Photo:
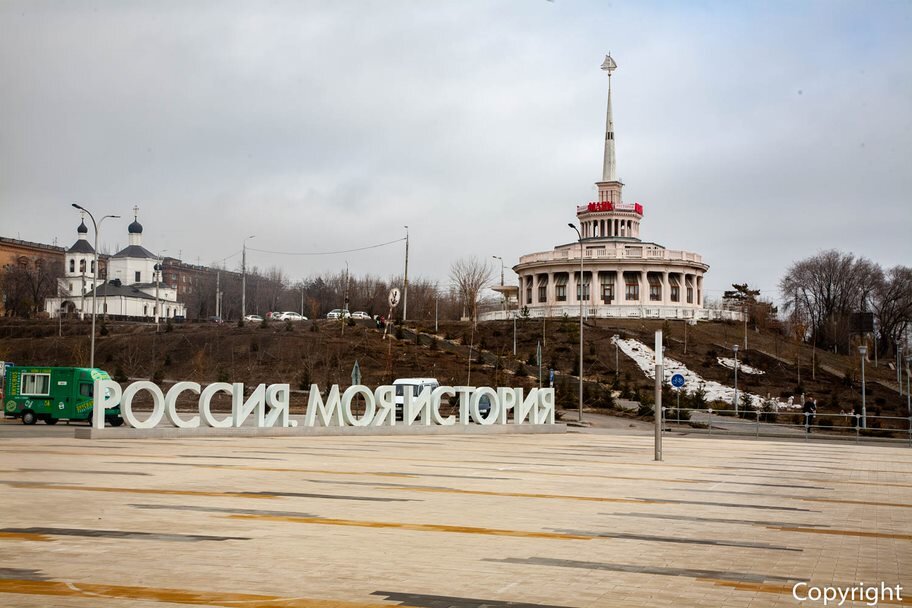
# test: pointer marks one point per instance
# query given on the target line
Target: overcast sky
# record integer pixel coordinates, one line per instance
(753, 133)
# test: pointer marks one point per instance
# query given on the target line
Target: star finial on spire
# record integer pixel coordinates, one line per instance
(609, 65)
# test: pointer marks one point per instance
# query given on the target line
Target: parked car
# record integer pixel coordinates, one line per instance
(288, 316)
(360, 315)
(417, 385)
(253, 319)
(338, 313)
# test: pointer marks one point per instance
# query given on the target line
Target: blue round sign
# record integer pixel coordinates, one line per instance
(677, 381)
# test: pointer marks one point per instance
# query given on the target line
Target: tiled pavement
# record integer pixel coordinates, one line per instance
(439, 522)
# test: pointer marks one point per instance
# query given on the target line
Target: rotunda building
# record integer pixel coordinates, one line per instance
(622, 274)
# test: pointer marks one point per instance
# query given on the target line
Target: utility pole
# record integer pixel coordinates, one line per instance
(405, 290)
(244, 277)
(218, 294)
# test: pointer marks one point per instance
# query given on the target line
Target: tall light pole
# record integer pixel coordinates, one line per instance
(244, 277)
(405, 290)
(581, 294)
(94, 277)
(503, 297)
(863, 351)
(908, 393)
(735, 348)
(158, 269)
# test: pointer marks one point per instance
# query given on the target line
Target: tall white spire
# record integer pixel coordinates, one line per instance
(609, 169)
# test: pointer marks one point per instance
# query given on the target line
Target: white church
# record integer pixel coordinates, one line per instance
(133, 289)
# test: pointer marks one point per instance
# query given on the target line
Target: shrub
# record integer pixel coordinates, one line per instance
(521, 370)
(240, 322)
(313, 326)
(847, 378)
(169, 325)
(289, 326)
(119, 375)
(304, 380)
(698, 399)
(159, 376)
(103, 329)
(221, 375)
(167, 360)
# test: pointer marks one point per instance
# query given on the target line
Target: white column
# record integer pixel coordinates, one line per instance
(644, 288)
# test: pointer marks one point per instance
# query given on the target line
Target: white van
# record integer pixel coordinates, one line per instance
(417, 384)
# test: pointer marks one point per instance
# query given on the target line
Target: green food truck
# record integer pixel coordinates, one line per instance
(53, 393)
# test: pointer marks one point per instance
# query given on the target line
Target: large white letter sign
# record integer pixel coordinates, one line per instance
(508, 399)
(240, 409)
(421, 404)
(523, 408)
(107, 394)
(158, 405)
(270, 406)
(206, 408)
(475, 410)
(325, 412)
(171, 405)
(464, 392)
(369, 405)
(278, 398)
(544, 407)
(436, 396)
(385, 397)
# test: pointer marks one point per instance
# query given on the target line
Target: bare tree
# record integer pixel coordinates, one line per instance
(26, 284)
(471, 275)
(825, 289)
(892, 304)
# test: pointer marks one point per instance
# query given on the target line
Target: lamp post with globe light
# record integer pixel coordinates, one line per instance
(96, 225)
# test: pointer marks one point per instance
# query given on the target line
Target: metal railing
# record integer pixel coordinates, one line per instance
(788, 424)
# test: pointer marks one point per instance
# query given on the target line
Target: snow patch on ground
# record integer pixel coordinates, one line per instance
(645, 359)
(747, 369)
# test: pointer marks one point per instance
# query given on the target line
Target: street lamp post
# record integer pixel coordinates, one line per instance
(503, 296)
(581, 294)
(735, 347)
(158, 270)
(244, 277)
(863, 351)
(616, 357)
(908, 393)
(94, 277)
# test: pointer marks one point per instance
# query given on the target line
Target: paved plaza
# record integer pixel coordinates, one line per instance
(580, 519)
